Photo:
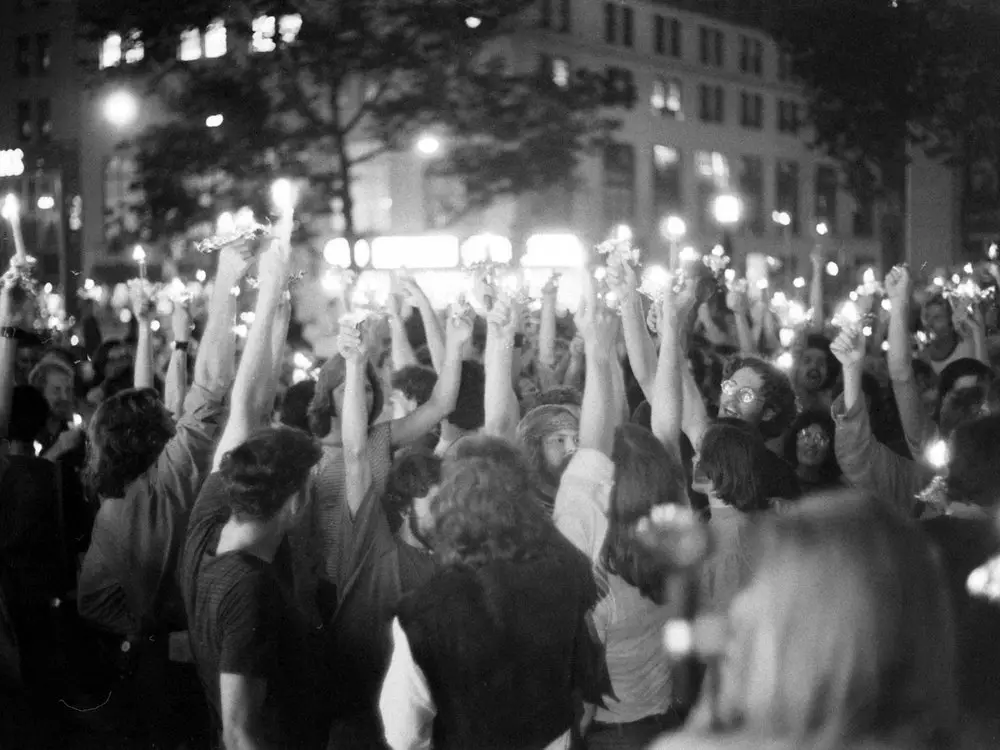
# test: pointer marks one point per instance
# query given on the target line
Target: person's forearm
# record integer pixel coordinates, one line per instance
(745, 335)
(433, 331)
(143, 375)
(275, 362)
(247, 397)
(979, 347)
(402, 352)
(694, 416)
(216, 362)
(816, 298)
(667, 401)
(501, 413)
(175, 387)
(639, 344)
(8, 360)
(597, 413)
(574, 372)
(547, 332)
(900, 357)
(354, 420)
(852, 386)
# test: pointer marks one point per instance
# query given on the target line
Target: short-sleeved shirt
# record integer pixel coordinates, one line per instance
(243, 621)
(129, 579)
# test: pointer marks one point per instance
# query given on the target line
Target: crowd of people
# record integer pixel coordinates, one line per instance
(435, 541)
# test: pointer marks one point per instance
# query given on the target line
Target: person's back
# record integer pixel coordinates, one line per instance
(498, 644)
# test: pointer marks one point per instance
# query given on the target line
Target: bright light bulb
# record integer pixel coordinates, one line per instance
(139, 254)
(727, 209)
(886, 305)
(213, 121)
(200, 276)
(785, 361)
(673, 227)
(822, 229)
(938, 281)
(799, 282)
(622, 233)
(154, 326)
(885, 346)
(11, 207)
(869, 276)
(832, 269)
(121, 108)
(968, 268)
(283, 195)
(428, 145)
(937, 454)
(473, 22)
(866, 331)
(46, 202)
(689, 255)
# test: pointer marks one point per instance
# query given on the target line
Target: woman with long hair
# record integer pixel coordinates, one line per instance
(843, 639)
(809, 447)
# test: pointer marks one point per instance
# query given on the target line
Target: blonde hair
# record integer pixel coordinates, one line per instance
(845, 633)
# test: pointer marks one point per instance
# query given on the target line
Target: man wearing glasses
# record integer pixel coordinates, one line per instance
(758, 393)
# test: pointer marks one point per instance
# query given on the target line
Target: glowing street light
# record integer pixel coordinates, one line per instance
(428, 145)
(46, 202)
(832, 269)
(214, 121)
(622, 233)
(689, 255)
(121, 108)
(799, 282)
(473, 22)
(727, 209)
(673, 228)
(822, 229)
(781, 218)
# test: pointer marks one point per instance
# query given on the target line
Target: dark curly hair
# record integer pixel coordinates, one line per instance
(830, 470)
(646, 475)
(264, 471)
(295, 404)
(777, 393)
(331, 377)
(485, 511)
(736, 460)
(974, 472)
(416, 382)
(126, 434)
(470, 408)
(414, 473)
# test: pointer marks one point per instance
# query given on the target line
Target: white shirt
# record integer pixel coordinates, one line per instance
(406, 704)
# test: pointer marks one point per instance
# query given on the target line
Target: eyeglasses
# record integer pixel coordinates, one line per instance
(745, 395)
(815, 438)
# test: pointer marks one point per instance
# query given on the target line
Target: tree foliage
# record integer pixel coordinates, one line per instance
(361, 78)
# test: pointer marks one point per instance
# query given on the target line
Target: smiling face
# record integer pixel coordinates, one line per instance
(741, 397)
(813, 370)
(812, 446)
(557, 450)
(937, 319)
(58, 393)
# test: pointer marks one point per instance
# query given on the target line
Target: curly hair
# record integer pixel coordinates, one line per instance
(538, 424)
(485, 513)
(777, 393)
(830, 470)
(264, 471)
(414, 473)
(295, 404)
(560, 395)
(416, 382)
(470, 408)
(331, 376)
(646, 475)
(736, 460)
(127, 434)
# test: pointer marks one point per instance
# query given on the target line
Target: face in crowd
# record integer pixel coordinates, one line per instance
(741, 397)
(58, 392)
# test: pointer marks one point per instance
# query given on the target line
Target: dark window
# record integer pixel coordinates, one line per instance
(751, 56)
(676, 43)
(43, 114)
(620, 88)
(751, 111)
(784, 65)
(545, 14)
(704, 45)
(826, 196)
(628, 26)
(610, 23)
(711, 103)
(43, 53)
(668, 197)
(24, 127)
(787, 191)
(752, 193)
(660, 35)
(619, 184)
(565, 16)
(788, 117)
(667, 36)
(711, 43)
(22, 59)
(864, 217)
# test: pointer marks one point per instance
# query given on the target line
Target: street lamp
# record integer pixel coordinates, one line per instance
(781, 218)
(46, 202)
(822, 229)
(428, 145)
(473, 22)
(121, 108)
(214, 121)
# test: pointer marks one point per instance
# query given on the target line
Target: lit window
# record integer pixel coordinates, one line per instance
(560, 72)
(190, 45)
(215, 39)
(289, 27)
(666, 98)
(665, 156)
(713, 166)
(111, 51)
(263, 34)
(134, 50)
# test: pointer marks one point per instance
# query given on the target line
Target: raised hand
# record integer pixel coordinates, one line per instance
(273, 262)
(350, 339)
(140, 294)
(849, 347)
(458, 326)
(622, 279)
(898, 285)
(181, 320)
(7, 306)
(502, 319)
(738, 301)
(235, 260)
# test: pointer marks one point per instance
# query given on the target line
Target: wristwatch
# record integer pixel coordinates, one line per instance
(180, 346)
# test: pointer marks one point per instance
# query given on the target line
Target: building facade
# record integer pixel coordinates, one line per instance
(711, 110)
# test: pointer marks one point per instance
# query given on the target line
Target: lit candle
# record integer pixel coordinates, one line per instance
(139, 256)
(12, 213)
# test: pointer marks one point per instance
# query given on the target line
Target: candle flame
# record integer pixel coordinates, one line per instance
(139, 254)
(11, 207)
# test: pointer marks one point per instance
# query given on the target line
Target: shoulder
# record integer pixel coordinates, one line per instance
(448, 590)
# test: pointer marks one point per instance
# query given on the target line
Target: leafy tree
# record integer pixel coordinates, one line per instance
(884, 75)
(361, 78)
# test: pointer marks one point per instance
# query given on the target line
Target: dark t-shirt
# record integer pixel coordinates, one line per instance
(242, 620)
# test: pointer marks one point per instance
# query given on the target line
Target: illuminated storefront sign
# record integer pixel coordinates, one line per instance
(11, 163)
(434, 251)
(554, 251)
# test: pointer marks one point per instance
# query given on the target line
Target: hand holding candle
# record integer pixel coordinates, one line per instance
(139, 256)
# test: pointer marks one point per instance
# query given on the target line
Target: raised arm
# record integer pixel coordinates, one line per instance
(638, 343)
(667, 400)
(816, 290)
(402, 352)
(599, 415)
(214, 366)
(546, 362)
(445, 395)
(246, 396)
(143, 309)
(8, 348)
(275, 361)
(501, 408)
(354, 419)
(739, 303)
(176, 384)
(433, 329)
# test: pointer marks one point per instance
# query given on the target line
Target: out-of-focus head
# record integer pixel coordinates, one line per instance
(758, 393)
(126, 435)
(485, 510)
(411, 488)
(962, 375)
(295, 404)
(412, 387)
(973, 468)
(548, 435)
(469, 413)
(560, 395)
(732, 461)
(266, 476)
(845, 632)
(54, 379)
(112, 358)
(29, 413)
(30, 350)
(646, 475)
(328, 400)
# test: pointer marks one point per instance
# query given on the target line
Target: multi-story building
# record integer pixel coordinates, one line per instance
(712, 110)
